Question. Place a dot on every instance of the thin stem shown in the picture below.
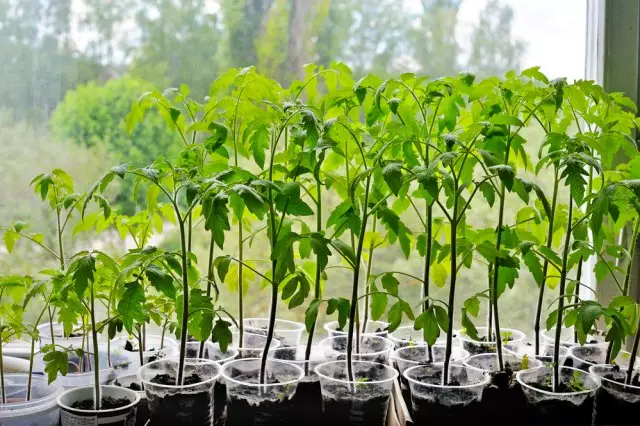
(140, 350)
(317, 288)
(96, 361)
(563, 281)
(632, 251)
(634, 353)
(427, 267)
(53, 253)
(356, 278)
(545, 266)
(452, 288)
(32, 353)
(185, 304)
(4, 393)
(372, 247)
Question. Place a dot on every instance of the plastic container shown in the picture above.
(287, 332)
(371, 348)
(457, 403)
(548, 337)
(362, 401)
(546, 356)
(410, 356)
(406, 335)
(515, 340)
(584, 357)
(172, 404)
(132, 382)
(307, 400)
(213, 352)
(252, 344)
(73, 341)
(558, 408)
(376, 328)
(77, 380)
(129, 361)
(615, 402)
(42, 409)
(121, 416)
(252, 403)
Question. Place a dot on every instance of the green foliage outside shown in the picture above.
(94, 115)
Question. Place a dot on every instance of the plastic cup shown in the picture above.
(42, 409)
(376, 328)
(287, 332)
(586, 356)
(371, 348)
(616, 403)
(121, 416)
(474, 347)
(252, 345)
(358, 400)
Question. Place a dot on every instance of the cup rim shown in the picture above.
(177, 360)
(544, 392)
(258, 385)
(389, 343)
(495, 354)
(330, 328)
(230, 348)
(394, 354)
(465, 337)
(372, 382)
(572, 349)
(16, 407)
(483, 382)
(601, 378)
(295, 326)
(136, 400)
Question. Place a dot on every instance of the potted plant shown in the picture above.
(97, 403)
(566, 394)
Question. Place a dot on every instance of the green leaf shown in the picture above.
(161, 280)
(216, 215)
(428, 323)
(222, 265)
(10, 239)
(508, 120)
(252, 199)
(345, 251)
(341, 305)
(488, 192)
(222, 334)
(392, 174)
(587, 316)
(506, 175)
(442, 317)
(390, 283)
(83, 273)
(378, 303)
(55, 361)
(258, 143)
(289, 200)
(131, 306)
(311, 314)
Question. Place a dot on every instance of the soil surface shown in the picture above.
(560, 412)
(610, 407)
(307, 404)
(504, 395)
(133, 386)
(108, 403)
(368, 409)
(154, 357)
(183, 408)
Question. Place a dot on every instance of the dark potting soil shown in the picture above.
(369, 409)
(154, 357)
(609, 408)
(504, 395)
(306, 404)
(477, 347)
(559, 412)
(108, 403)
(133, 386)
(182, 408)
(128, 346)
(219, 404)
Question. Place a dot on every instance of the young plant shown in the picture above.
(12, 291)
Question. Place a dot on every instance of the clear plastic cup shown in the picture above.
(129, 361)
(370, 348)
(190, 403)
(616, 403)
(205, 350)
(511, 341)
(546, 357)
(458, 402)
(558, 408)
(489, 362)
(548, 337)
(586, 356)
(406, 335)
(360, 400)
(87, 378)
(249, 402)
(42, 409)
(287, 332)
(252, 345)
(75, 340)
(410, 356)
(376, 328)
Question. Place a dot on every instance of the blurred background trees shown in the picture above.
(71, 69)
